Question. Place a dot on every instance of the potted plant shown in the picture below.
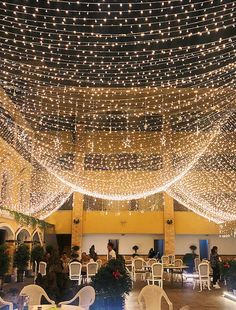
(135, 248)
(228, 273)
(111, 283)
(21, 260)
(193, 248)
(37, 254)
(4, 263)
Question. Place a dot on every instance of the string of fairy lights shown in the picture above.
(122, 100)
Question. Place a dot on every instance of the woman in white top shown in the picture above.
(111, 252)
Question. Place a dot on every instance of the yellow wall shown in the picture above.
(191, 223)
(61, 220)
(140, 223)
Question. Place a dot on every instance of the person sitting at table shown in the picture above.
(151, 253)
(74, 258)
(84, 258)
(111, 252)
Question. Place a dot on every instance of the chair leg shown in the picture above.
(208, 284)
(200, 282)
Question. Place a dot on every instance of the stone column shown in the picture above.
(11, 245)
(77, 217)
(169, 224)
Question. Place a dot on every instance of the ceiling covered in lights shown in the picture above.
(123, 99)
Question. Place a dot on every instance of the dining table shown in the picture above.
(172, 269)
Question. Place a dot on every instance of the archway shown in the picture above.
(22, 235)
(37, 238)
(6, 233)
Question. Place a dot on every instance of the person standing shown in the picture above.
(111, 252)
(215, 265)
(65, 262)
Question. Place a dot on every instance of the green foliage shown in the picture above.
(49, 249)
(228, 270)
(37, 253)
(27, 220)
(112, 279)
(4, 260)
(21, 257)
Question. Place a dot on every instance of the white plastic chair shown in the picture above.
(75, 272)
(203, 276)
(6, 303)
(42, 268)
(92, 269)
(156, 274)
(138, 268)
(34, 293)
(86, 298)
(150, 298)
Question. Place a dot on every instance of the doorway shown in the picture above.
(159, 247)
(204, 249)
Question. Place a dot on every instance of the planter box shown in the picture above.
(108, 303)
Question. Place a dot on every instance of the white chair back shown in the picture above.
(157, 270)
(92, 269)
(34, 293)
(138, 264)
(6, 303)
(203, 269)
(150, 298)
(42, 268)
(178, 262)
(75, 271)
(99, 262)
(165, 260)
(171, 259)
(86, 298)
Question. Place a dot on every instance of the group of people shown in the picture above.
(214, 262)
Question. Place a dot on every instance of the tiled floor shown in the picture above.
(209, 300)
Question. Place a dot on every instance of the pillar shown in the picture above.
(169, 225)
(11, 246)
(77, 217)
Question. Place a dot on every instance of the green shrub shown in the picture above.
(37, 253)
(4, 260)
(21, 257)
(112, 279)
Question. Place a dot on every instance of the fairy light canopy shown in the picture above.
(123, 99)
